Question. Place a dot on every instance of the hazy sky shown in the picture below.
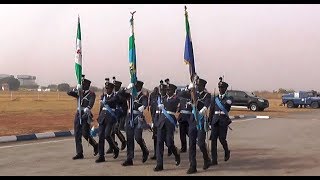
(256, 47)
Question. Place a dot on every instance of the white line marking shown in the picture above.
(239, 120)
(2, 147)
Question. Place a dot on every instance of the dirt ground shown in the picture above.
(34, 113)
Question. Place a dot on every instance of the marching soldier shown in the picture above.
(82, 124)
(159, 96)
(134, 129)
(107, 119)
(220, 121)
(166, 126)
(197, 129)
(185, 110)
(121, 113)
(153, 105)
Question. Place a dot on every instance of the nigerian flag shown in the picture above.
(78, 58)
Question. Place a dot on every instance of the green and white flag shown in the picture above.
(78, 58)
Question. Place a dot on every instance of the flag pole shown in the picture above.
(133, 69)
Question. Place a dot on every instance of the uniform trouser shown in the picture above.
(134, 133)
(116, 131)
(221, 133)
(195, 134)
(105, 129)
(80, 130)
(183, 128)
(154, 137)
(165, 134)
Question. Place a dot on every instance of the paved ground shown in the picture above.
(279, 146)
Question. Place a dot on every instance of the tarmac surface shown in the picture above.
(287, 146)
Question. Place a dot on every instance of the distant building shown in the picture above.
(4, 76)
(27, 80)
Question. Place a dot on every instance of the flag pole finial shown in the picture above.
(185, 8)
(132, 13)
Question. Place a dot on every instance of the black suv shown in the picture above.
(248, 99)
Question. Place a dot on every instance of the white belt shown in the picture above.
(104, 108)
(136, 112)
(219, 112)
(185, 112)
(169, 112)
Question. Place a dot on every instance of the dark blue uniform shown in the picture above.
(106, 120)
(219, 126)
(203, 101)
(83, 129)
(165, 131)
(185, 113)
(121, 113)
(135, 132)
(155, 115)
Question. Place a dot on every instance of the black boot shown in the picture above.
(78, 156)
(227, 155)
(127, 163)
(207, 164)
(169, 152)
(214, 162)
(183, 150)
(158, 168)
(115, 153)
(100, 159)
(123, 145)
(192, 170)
(145, 156)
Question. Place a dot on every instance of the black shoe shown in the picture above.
(227, 155)
(109, 151)
(123, 145)
(145, 156)
(206, 164)
(192, 170)
(154, 157)
(183, 150)
(127, 163)
(100, 159)
(169, 153)
(78, 156)
(214, 163)
(115, 153)
(95, 150)
(177, 158)
(158, 168)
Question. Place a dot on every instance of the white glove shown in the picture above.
(191, 85)
(203, 110)
(86, 110)
(78, 87)
(229, 101)
(160, 106)
(141, 108)
(130, 86)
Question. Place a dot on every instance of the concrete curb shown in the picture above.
(35, 136)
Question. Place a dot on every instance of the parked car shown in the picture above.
(248, 99)
(302, 99)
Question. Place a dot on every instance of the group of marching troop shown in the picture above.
(197, 112)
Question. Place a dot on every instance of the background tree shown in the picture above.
(63, 87)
